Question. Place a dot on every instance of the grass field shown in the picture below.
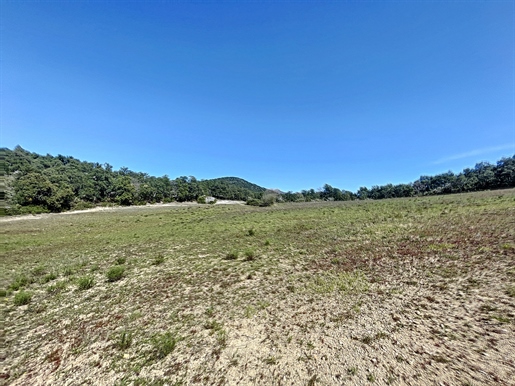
(405, 291)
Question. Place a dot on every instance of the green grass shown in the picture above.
(85, 282)
(224, 277)
(22, 298)
(115, 273)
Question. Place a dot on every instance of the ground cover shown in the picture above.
(403, 291)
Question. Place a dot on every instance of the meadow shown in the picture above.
(401, 291)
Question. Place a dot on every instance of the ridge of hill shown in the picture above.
(239, 182)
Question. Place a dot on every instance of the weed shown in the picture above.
(120, 260)
(22, 298)
(48, 277)
(510, 291)
(271, 360)
(221, 337)
(371, 377)
(115, 273)
(68, 271)
(164, 344)
(267, 243)
(38, 271)
(251, 232)
(159, 259)
(85, 282)
(57, 287)
(19, 282)
(250, 255)
(124, 340)
(232, 255)
(352, 370)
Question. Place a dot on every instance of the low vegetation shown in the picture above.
(407, 290)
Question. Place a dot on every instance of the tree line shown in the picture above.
(484, 176)
(35, 183)
(45, 183)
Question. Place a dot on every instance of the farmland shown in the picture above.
(402, 291)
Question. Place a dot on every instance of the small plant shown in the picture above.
(85, 282)
(251, 232)
(271, 360)
(115, 273)
(38, 271)
(267, 242)
(221, 337)
(121, 260)
(158, 260)
(57, 287)
(510, 291)
(68, 271)
(22, 298)
(19, 282)
(231, 255)
(250, 255)
(352, 370)
(164, 344)
(48, 277)
(124, 340)
(3, 293)
(371, 377)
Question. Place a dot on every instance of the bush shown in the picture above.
(22, 298)
(115, 273)
(201, 199)
(85, 282)
(253, 202)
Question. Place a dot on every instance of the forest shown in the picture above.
(34, 183)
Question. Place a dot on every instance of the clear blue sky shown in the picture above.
(288, 95)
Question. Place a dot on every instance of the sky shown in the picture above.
(285, 94)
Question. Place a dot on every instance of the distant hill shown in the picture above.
(240, 183)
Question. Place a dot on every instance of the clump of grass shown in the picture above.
(346, 282)
(510, 291)
(120, 260)
(85, 282)
(115, 273)
(232, 255)
(352, 370)
(3, 293)
(57, 287)
(164, 344)
(158, 260)
(250, 255)
(22, 298)
(267, 242)
(124, 340)
(68, 271)
(251, 232)
(19, 282)
(38, 271)
(48, 277)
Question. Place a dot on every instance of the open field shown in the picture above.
(406, 291)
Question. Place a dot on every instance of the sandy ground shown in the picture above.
(113, 208)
